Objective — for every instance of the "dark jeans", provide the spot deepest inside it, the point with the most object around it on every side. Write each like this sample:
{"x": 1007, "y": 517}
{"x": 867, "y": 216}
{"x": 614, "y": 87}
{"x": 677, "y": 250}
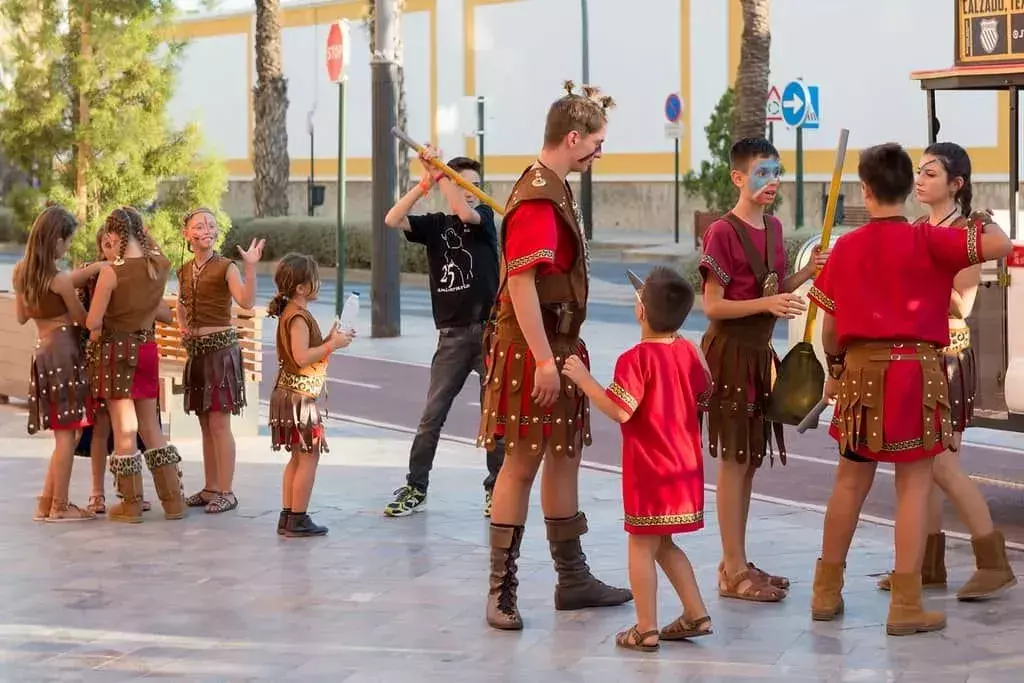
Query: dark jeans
{"x": 459, "y": 352}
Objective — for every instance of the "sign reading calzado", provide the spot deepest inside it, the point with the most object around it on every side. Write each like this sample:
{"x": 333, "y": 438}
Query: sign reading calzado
{"x": 989, "y": 31}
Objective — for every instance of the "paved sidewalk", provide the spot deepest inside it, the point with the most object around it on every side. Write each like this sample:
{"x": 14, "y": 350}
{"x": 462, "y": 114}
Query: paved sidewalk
{"x": 222, "y": 598}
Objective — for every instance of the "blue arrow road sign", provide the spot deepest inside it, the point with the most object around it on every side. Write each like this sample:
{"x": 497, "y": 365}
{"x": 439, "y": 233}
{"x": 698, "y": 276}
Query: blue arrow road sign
{"x": 800, "y": 105}
{"x": 673, "y": 108}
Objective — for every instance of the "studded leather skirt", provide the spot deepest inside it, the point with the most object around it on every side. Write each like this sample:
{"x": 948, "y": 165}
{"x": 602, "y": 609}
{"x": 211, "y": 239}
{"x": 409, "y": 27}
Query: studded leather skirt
{"x": 296, "y": 418}
{"x": 59, "y": 395}
{"x": 962, "y": 374}
{"x": 214, "y": 377}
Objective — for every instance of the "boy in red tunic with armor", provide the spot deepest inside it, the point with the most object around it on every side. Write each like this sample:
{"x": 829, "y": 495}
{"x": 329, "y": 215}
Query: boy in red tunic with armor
{"x": 885, "y": 290}
{"x": 542, "y": 302}
{"x": 654, "y": 398}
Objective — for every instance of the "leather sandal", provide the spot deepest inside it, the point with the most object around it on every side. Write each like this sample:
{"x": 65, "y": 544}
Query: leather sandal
{"x": 777, "y": 581}
{"x": 97, "y": 505}
{"x": 756, "y": 590}
{"x": 681, "y": 629}
{"x": 201, "y": 499}
{"x": 632, "y": 639}
{"x": 224, "y": 502}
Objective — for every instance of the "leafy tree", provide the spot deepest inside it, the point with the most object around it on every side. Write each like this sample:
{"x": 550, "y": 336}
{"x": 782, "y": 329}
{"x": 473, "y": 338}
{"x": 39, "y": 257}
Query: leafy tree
{"x": 83, "y": 113}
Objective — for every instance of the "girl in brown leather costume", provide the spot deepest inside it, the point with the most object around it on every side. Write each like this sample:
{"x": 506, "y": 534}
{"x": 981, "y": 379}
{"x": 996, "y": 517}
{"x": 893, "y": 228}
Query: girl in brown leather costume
{"x": 59, "y": 387}
{"x": 214, "y": 378}
{"x": 124, "y": 366}
{"x": 296, "y": 423}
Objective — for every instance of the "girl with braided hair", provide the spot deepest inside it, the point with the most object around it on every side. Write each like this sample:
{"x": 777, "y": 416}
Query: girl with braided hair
{"x": 214, "y": 378}
{"x": 125, "y": 365}
{"x": 296, "y": 423}
{"x": 59, "y": 388}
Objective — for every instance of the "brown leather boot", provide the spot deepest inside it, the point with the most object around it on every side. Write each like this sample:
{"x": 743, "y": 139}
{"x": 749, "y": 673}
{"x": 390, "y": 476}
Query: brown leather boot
{"x": 164, "y": 465}
{"x": 577, "y": 588}
{"x": 906, "y": 614}
{"x": 933, "y": 567}
{"x": 127, "y": 471}
{"x": 827, "y": 596}
{"x": 994, "y": 573}
{"x": 502, "y": 612}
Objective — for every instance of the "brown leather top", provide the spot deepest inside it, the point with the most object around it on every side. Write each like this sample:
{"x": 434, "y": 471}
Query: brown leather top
{"x": 134, "y": 301}
{"x": 51, "y": 305}
{"x": 541, "y": 183}
{"x": 284, "y": 343}
{"x": 205, "y": 294}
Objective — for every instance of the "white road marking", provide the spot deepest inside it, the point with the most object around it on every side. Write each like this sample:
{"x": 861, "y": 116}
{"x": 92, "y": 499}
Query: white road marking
{"x": 352, "y": 383}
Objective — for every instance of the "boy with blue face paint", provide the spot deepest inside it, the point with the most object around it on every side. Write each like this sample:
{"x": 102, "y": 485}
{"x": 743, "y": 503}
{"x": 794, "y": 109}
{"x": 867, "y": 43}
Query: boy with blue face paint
{"x": 745, "y": 290}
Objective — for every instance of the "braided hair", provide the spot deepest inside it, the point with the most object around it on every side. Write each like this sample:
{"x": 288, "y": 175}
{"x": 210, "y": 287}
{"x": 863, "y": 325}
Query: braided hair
{"x": 957, "y": 164}
{"x": 293, "y": 271}
{"x": 127, "y": 224}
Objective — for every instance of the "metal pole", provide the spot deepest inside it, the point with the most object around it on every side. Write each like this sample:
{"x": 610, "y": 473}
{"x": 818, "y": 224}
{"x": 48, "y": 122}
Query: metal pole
{"x": 385, "y": 312}
{"x": 339, "y": 293}
{"x": 480, "y": 134}
{"x": 309, "y": 186}
{"x": 799, "y": 177}
{"x": 933, "y": 123}
{"x": 771, "y": 132}
{"x": 676, "y": 192}
{"x": 1014, "y": 160}
{"x": 586, "y": 181}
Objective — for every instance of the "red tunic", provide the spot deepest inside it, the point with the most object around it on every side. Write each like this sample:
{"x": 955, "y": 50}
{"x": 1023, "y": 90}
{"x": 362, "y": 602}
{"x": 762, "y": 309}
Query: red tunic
{"x": 536, "y": 237}
{"x": 725, "y": 259}
{"x": 662, "y": 461}
{"x": 890, "y": 280}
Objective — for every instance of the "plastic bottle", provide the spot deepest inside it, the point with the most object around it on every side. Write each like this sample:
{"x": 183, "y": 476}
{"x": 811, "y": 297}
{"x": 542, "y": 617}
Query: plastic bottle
{"x": 349, "y": 312}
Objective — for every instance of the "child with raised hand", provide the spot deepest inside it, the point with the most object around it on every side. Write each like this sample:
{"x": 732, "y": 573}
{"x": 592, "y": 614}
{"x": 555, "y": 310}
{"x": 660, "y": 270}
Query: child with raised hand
{"x": 654, "y": 398}
{"x": 296, "y": 421}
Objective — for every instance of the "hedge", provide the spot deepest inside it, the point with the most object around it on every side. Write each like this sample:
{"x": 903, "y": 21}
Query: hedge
{"x": 690, "y": 265}
{"x": 317, "y": 237}
{"x": 9, "y": 232}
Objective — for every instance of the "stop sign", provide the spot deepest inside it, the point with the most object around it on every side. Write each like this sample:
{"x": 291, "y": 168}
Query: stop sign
{"x": 337, "y": 51}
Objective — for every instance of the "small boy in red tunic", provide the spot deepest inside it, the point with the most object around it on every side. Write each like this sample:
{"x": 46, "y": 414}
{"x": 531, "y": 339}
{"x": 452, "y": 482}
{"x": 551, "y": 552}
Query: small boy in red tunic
{"x": 885, "y": 291}
{"x": 654, "y": 397}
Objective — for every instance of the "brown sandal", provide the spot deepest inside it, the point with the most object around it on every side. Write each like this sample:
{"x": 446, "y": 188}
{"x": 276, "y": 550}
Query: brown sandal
{"x": 777, "y": 581}
{"x": 681, "y": 629}
{"x": 632, "y": 639}
{"x": 757, "y": 590}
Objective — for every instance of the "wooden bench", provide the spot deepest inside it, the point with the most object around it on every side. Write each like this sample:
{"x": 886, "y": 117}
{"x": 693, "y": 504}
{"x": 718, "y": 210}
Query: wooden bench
{"x": 17, "y": 343}
{"x": 855, "y": 215}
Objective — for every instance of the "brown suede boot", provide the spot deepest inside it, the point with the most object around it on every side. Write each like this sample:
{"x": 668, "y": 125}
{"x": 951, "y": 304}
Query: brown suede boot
{"x": 906, "y": 614}
{"x": 502, "y": 612}
{"x": 827, "y": 595}
{"x": 577, "y": 588}
{"x": 994, "y": 573}
{"x": 933, "y": 567}
{"x": 163, "y": 463}
{"x": 127, "y": 471}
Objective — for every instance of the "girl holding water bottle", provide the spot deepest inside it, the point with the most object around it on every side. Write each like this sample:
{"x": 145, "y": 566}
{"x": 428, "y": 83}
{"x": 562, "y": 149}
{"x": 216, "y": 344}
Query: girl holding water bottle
{"x": 296, "y": 421}
{"x": 214, "y": 378}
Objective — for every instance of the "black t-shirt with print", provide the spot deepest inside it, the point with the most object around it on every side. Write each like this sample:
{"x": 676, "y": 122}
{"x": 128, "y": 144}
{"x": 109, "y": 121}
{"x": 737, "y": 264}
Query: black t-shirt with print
{"x": 463, "y": 264}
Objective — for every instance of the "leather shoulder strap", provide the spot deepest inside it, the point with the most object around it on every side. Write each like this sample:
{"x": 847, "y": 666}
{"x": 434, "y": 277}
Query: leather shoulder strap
{"x": 758, "y": 262}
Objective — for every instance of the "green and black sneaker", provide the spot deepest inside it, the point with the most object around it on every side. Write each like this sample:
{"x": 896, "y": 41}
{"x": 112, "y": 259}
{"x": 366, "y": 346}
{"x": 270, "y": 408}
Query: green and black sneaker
{"x": 408, "y": 500}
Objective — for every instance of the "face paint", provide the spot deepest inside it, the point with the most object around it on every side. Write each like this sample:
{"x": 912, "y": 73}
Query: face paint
{"x": 764, "y": 173}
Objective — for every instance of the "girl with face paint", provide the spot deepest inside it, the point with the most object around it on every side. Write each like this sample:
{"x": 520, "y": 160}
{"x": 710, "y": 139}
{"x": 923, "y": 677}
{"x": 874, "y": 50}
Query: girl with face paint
{"x": 745, "y": 291}
{"x": 943, "y": 185}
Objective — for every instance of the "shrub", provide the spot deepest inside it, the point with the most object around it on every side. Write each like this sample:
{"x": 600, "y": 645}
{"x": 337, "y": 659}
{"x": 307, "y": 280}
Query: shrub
{"x": 317, "y": 237}
{"x": 9, "y": 230}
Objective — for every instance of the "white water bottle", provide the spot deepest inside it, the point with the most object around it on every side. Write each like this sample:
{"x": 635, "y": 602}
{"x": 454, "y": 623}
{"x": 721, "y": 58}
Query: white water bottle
{"x": 349, "y": 313}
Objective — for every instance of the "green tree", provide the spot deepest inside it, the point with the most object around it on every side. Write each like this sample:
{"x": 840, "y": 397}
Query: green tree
{"x": 713, "y": 183}
{"x": 84, "y": 114}
{"x": 754, "y": 69}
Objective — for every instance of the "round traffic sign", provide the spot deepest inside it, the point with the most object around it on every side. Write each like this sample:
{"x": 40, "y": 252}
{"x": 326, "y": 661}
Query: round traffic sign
{"x": 673, "y": 107}
{"x": 795, "y": 103}
{"x": 337, "y": 50}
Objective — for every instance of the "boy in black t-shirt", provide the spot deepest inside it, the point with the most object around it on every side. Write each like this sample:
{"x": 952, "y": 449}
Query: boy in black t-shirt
{"x": 462, "y": 257}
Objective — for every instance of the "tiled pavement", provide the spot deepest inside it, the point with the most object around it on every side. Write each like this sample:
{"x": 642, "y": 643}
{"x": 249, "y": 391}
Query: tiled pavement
{"x": 222, "y": 598}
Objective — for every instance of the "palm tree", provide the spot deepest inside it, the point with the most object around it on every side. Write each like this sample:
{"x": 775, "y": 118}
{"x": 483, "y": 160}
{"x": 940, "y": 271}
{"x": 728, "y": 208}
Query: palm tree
{"x": 753, "y": 72}
{"x": 370, "y": 18}
{"x": 270, "y": 105}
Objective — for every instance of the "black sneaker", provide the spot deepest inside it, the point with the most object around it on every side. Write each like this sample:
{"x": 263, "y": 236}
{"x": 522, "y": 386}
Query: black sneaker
{"x": 408, "y": 500}
{"x": 282, "y": 521}
{"x": 301, "y": 525}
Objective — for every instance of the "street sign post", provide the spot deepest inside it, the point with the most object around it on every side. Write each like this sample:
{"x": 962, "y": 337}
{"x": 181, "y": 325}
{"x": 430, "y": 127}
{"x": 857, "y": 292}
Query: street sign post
{"x": 800, "y": 109}
{"x": 674, "y": 130}
{"x": 773, "y": 112}
{"x": 337, "y": 72}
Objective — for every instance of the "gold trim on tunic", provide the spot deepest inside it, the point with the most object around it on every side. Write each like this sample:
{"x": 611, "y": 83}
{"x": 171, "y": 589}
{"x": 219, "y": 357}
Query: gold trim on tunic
{"x": 664, "y": 520}
{"x": 623, "y": 395}
{"x": 310, "y": 385}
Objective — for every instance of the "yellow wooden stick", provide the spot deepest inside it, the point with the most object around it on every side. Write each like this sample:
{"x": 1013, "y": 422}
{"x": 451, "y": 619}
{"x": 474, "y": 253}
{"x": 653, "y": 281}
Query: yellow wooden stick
{"x": 454, "y": 175}
{"x": 830, "y": 217}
